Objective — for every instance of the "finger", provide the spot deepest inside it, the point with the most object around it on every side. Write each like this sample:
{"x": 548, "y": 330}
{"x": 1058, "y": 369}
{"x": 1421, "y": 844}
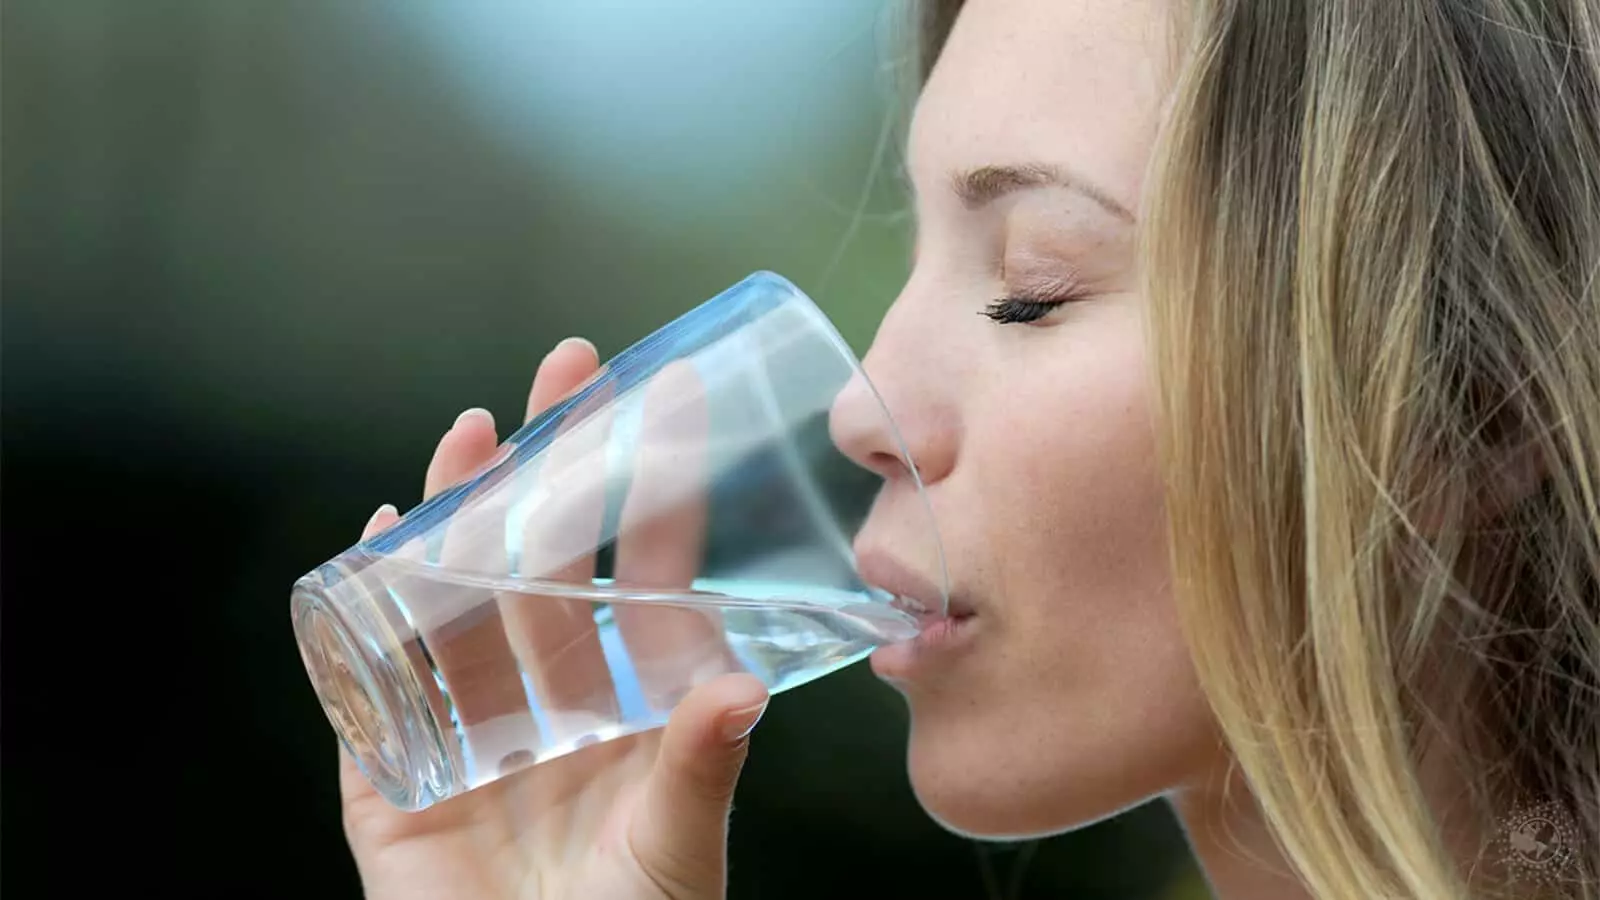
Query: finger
{"x": 555, "y": 638}
{"x": 385, "y": 516}
{"x": 462, "y": 627}
{"x": 468, "y": 444}
{"x": 367, "y": 814}
{"x": 661, "y": 542}
{"x": 560, "y": 372}
{"x": 680, "y": 835}
{"x": 411, "y": 646}
{"x": 354, "y": 788}
{"x": 363, "y": 810}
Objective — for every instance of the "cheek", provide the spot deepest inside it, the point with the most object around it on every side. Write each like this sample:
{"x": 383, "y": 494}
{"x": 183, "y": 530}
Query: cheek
{"x": 1080, "y": 494}
{"x": 1032, "y": 753}
{"x": 1080, "y": 700}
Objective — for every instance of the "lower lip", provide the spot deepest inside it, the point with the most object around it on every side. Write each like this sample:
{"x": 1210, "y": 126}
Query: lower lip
{"x": 934, "y": 643}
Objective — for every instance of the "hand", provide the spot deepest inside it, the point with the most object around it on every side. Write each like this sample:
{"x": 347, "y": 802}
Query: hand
{"x": 633, "y": 818}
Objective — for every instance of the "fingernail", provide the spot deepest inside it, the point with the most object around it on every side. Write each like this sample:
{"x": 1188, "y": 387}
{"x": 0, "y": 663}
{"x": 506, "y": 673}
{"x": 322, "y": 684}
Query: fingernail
{"x": 474, "y": 413}
{"x": 739, "y": 723}
{"x": 577, "y": 342}
{"x": 386, "y": 509}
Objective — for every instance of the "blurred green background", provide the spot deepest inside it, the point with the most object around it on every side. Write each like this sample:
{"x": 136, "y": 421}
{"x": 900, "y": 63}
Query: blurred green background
{"x": 256, "y": 258}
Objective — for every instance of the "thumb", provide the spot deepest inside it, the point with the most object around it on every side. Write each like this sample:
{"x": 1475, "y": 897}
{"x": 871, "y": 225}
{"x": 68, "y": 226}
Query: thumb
{"x": 680, "y": 834}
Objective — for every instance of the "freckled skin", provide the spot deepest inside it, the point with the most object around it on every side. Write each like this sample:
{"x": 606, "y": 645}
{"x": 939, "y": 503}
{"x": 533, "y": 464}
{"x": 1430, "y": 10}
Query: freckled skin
{"x": 1073, "y": 698}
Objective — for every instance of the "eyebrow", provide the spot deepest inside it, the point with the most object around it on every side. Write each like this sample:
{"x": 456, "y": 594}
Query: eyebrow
{"x": 986, "y": 184}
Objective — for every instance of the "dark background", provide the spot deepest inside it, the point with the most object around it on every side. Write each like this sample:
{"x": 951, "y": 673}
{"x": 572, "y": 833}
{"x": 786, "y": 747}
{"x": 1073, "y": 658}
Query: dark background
{"x": 256, "y": 257}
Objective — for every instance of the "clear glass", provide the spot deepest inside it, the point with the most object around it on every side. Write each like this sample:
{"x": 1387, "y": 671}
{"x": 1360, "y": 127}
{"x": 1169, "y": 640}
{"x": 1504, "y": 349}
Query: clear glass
{"x": 686, "y": 512}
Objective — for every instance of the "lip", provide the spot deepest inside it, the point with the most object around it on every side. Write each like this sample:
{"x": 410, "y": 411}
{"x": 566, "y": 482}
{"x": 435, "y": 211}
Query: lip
{"x": 912, "y": 592}
{"x": 935, "y": 645}
{"x": 937, "y": 635}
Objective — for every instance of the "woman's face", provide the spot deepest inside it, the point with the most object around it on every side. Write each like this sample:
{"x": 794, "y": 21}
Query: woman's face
{"x": 1065, "y": 694}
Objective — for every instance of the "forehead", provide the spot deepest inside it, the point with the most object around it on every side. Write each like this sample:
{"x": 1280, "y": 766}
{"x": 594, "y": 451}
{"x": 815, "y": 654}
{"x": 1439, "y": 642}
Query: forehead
{"x": 1075, "y": 83}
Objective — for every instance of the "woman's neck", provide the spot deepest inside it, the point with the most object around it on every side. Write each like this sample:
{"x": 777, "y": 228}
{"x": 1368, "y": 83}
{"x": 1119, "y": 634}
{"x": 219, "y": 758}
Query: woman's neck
{"x": 1233, "y": 845}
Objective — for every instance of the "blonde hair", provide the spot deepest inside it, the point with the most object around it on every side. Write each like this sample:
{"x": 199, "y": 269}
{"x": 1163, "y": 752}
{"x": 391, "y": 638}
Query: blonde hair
{"x": 1372, "y": 267}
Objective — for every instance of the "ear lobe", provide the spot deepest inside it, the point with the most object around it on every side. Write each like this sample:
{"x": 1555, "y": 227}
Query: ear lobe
{"x": 1516, "y": 475}
{"x": 1486, "y": 492}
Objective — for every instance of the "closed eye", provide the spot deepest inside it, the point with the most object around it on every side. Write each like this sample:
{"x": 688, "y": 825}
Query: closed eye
{"x": 1020, "y": 310}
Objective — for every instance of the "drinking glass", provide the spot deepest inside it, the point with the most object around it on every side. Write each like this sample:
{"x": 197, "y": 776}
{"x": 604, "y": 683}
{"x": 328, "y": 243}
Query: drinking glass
{"x": 685, "y": 512}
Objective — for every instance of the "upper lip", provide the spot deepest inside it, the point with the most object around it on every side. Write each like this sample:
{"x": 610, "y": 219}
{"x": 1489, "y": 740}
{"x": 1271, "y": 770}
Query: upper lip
{"x": 881, "y": 570}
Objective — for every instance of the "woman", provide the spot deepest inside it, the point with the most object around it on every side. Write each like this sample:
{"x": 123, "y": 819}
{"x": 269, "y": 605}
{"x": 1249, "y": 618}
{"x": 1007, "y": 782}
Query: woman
{"x": 1292, "y": 389}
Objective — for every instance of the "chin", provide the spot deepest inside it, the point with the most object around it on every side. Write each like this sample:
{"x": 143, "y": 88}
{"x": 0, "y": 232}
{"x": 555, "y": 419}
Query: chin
{"x": 1004, "y": 792}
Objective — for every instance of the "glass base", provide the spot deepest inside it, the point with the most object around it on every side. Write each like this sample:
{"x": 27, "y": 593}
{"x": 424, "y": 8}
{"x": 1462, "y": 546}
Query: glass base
{"x": 379, "y": 710}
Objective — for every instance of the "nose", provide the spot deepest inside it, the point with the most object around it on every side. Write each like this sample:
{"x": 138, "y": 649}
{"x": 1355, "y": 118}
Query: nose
{"x": 894, "y": 415}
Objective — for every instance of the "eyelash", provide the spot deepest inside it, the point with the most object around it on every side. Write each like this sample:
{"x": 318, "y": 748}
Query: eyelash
{"x": 1021, "y": 310}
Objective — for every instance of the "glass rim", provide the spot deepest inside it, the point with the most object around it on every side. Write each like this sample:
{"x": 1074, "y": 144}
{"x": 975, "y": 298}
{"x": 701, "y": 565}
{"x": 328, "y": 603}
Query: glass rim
{"x": 826, "y": 326}
{"x": 724, "y": 305}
